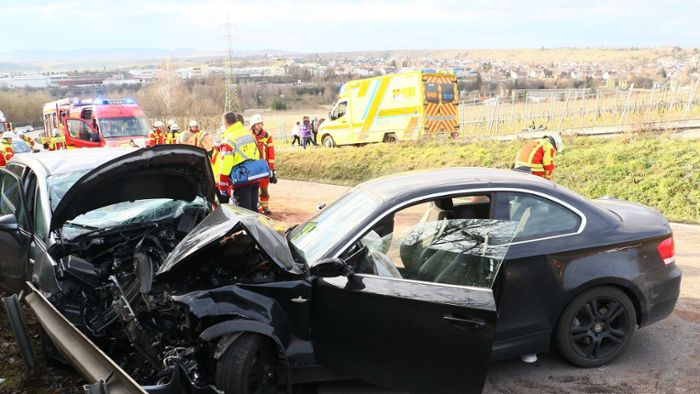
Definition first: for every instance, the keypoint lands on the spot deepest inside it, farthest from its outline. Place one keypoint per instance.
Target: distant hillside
(532, 55)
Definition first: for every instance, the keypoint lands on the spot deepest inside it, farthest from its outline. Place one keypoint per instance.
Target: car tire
(328, 141)
(248, 366)
(596, 327)
(390, 138)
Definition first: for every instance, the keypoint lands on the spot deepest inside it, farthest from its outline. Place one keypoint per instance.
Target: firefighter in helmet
(537, 155)
(267, 151)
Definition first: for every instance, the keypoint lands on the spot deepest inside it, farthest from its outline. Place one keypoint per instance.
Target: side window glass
(536, 217)
(15, 169)
(11, 197)
(429, 242)
(40, 225)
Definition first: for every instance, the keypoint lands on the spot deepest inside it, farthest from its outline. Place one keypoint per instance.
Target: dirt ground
(662, 358)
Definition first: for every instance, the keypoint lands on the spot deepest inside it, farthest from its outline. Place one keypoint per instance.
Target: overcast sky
(330, 25)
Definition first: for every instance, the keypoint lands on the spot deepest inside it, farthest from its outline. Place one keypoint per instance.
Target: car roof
(70, 160)
(427, 181)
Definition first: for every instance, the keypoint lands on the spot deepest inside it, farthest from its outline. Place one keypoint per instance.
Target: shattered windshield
(122, 213)
(313, 238)
(128, 212)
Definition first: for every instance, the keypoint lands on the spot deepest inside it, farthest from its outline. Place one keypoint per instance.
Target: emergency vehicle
(4, 124)
(92, 123)
(391, 108)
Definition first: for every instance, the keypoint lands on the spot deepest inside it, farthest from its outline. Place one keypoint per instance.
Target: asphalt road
(662, 358)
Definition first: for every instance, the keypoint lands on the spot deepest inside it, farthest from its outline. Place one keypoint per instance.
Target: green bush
(659, 172)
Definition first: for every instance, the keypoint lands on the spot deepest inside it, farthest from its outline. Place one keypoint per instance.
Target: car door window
(440, 241)
(536, 217)
(11, 197)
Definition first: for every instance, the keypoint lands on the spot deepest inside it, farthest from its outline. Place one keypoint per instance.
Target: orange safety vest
(266, 147)
(7, 153)
(538, 155)
(157, 137)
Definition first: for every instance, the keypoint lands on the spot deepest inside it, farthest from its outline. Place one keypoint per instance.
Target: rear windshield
(124, 127)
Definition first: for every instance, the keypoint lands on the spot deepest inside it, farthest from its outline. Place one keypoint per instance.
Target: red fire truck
(92, 123)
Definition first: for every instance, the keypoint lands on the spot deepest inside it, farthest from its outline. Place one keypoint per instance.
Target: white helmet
(158, 124)
(255, 119)
(55, 133)
(7, 134)
(193, 123)
(556, 141)
(171, 122)
(175, 127)
(20, 133)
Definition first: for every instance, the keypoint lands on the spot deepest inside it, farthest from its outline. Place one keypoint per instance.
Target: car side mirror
(331, 268)
(8, 223)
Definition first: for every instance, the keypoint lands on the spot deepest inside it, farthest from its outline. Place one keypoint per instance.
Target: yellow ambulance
(390, 108)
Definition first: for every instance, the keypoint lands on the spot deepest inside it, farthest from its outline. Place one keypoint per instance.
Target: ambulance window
(448, 92)
(431, 93)
(342, 108)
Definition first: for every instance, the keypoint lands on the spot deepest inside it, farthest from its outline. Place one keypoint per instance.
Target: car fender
(228, 331)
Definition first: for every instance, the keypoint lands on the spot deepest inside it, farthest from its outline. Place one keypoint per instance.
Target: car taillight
(667, 251)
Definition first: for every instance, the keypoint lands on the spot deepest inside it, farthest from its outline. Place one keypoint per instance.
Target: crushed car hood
(231, 221)
(179, 172)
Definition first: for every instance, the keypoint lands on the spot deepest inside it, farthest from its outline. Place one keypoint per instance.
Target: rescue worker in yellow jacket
(57, 142)
(6, 150)
(537, 156)
(173, 134)
(238, 145)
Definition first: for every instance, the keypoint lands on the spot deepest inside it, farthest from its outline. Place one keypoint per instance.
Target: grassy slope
(659, 172)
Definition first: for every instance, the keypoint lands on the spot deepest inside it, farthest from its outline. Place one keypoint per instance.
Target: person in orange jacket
(267, 151)
(537, 156)
(6, 147)
(157, 136)
(29, 140)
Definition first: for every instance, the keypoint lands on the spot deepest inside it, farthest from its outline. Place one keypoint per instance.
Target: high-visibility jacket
(266, 148)
(56, 143)
(237, 146)
(539, 156)
(172, 137)
(7, 153)
(29, 140)
(213, 160)
(157, 137)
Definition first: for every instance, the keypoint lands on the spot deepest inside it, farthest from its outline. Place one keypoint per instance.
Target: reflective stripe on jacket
(538, 155)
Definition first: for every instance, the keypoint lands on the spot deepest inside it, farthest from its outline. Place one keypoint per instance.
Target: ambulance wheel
(328, 141)
(390, 138)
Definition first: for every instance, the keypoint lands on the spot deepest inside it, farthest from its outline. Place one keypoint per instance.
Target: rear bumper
(660, 289)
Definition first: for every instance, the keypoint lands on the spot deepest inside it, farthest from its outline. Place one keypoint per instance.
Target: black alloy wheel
(596, 327)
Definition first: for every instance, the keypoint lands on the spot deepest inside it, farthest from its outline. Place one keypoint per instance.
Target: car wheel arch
(226, 332)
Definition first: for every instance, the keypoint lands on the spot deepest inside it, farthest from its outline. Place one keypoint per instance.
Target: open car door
(15, 233)
(425, 326)
(82, 134)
